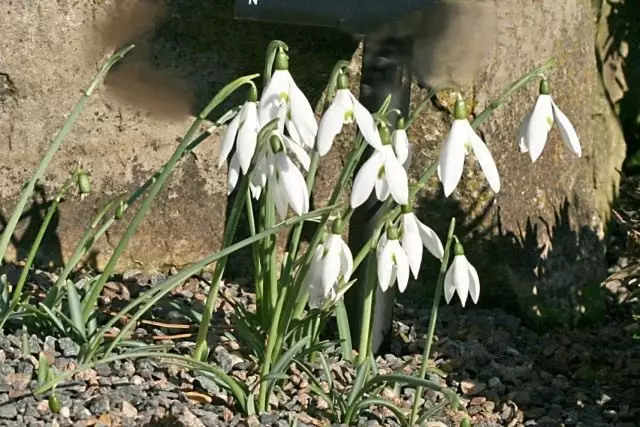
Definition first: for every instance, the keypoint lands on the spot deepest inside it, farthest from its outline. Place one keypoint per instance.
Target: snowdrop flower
(331, 265)
(393, 264)
(400, 143)
(283, 91)
(533, 133)
(382, 171)
(461, 140)
(462, 278)
(287, 183)
(344, 108)
(415, 235)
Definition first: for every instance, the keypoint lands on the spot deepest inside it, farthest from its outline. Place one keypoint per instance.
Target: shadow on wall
(546, 285)
(622, 49)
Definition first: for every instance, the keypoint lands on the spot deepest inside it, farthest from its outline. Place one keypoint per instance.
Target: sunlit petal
(332, 121)
(293, 184)
(385, 266)
(430, 240)
(300, 154)
(485, 159)
(365, 180)
(451, 160)
(522, 131)
(461, 277)
(411, 242)
(228, 139)
(400, 143)
(449, 285)
(346, 261)
(247, 136)
(233, 174)
(474, 283)
(567, 131)
(396, 177)
(271, 100)
(538, 126)
(302, 115)
(313, 280)
(402, 265)
(331, 263)
(366, 124)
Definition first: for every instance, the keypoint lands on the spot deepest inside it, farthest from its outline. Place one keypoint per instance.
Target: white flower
(282, 90)
(384, 172)
(393, 264)
(342, 111)
(289, 186)
(461, 140)
(400, 143)
(534, 130)
(415, 235)
(332, 264)
(462, 278)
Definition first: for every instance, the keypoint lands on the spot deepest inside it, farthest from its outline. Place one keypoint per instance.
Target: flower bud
(84, 183)
(282, 61)
(54, 403)
(385, 135)
(545, 89)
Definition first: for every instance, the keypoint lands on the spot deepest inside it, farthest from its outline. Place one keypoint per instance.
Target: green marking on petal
(550, 121)
(349, 117)
(381, 171)
(284, 97)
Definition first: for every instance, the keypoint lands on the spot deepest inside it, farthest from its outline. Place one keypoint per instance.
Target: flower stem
(269, 352)
(255, 253)
(433, 319)
(367, 310)
(270, 250)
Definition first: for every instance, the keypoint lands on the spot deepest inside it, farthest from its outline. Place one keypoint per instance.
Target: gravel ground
(507, 374)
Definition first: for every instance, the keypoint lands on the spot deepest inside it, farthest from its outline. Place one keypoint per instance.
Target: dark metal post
(386, 70)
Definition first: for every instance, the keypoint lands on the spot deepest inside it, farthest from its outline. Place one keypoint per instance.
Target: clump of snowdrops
(273, 144)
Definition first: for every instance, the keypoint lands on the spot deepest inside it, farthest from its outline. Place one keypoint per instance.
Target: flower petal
(430, 240)
(247, 136)
(385, 266)
(365, 180)
(297, 150)
(229, 136)
(331, 262)
(522, 130)
(366, 124)
(302, 114)
(271, 100)
(396, 177)
(449, 285)
(401, 263)
(569, 135)
(411, 242)
(382, 189)
(346, 261)
(461, 277)
(451, 160)
(484, 157)
(400, 143)
(293, 184)
(313, 280)
(538, 126)
(332, 121)
(474, 283)
(233, 174)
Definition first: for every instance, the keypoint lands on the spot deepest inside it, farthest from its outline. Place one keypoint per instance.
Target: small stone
(8, 411)
(128, 410)
(68, 348)
(253, 421)
(471, 387)
(100, 405)
(188, 419)
(65, 412)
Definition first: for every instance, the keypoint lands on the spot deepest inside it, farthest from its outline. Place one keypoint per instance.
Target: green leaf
(384, 403)
(344, 331)
(225, 92)
(75, 310)
(43, 369)
(358, 383)
(51, 316)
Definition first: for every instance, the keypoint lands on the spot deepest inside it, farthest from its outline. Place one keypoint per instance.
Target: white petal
(279, 196)
(486, 160)
(366, 124)
(293, 184)
(298, 152)
(331, 263)
(365, 179)
(430, 240)
(451, 160)
(411, 242)
(396, 177)
(313, 280)
(346, 261)
(229, 136)
(382, 189)
(332, 121)
(402, 265)
(400, 143)
(461, 277)
(569, 135)
(449, 285)
(522, 130)
(247, 136)
(385, 266)
(538, 126)
(302, 114)
(233, 173)
(474, 283)
(270, 100)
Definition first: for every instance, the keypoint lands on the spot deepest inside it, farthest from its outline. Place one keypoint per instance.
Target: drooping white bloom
(384, 172)
(331, 265)
(462, 278)
(400, 143)
(461, 140)
(393, 264)
(243, 130)
(535, 128)
(282, 90)
(289, 186)
(415, 236)
(344, 107)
